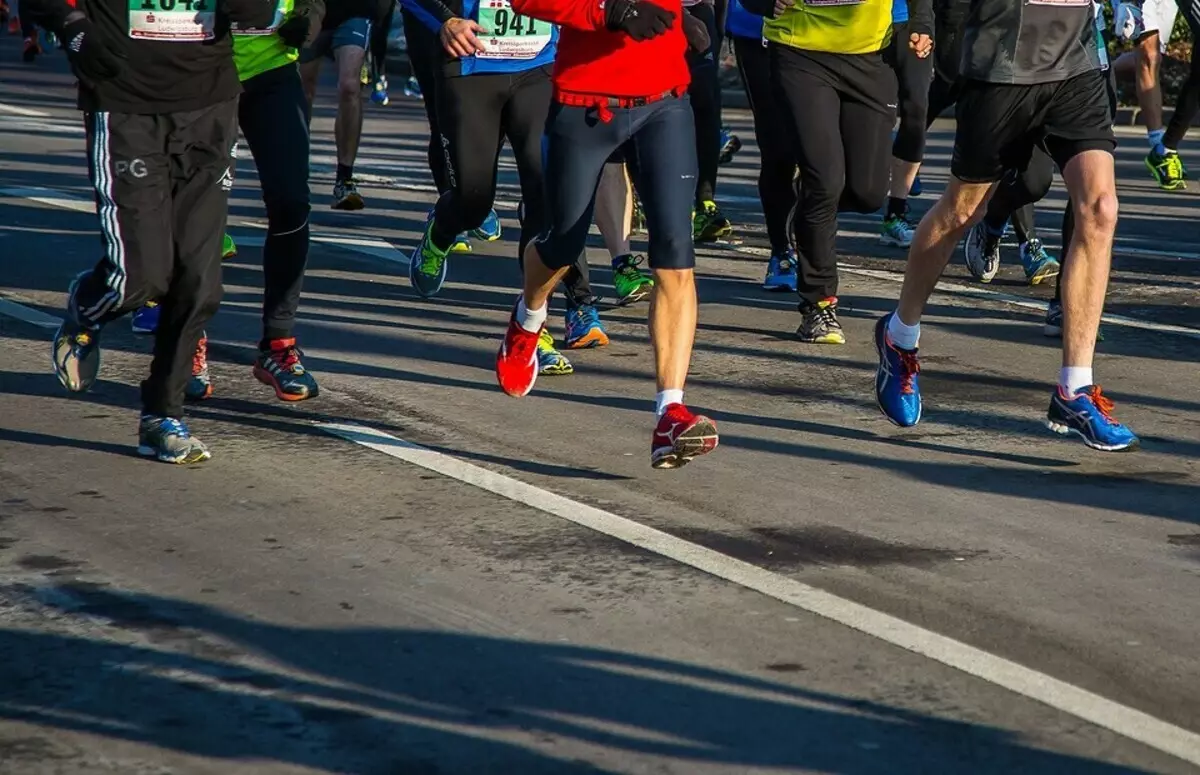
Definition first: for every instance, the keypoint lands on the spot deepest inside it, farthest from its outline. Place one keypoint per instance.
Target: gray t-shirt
(1029, 41)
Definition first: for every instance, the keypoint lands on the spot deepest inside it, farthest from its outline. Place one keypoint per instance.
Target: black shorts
(1000, 124)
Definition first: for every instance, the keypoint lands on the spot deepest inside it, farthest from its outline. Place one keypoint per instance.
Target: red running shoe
(516, 363)
(681, 436)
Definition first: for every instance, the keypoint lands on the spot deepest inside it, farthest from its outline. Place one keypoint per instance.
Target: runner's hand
(780, 7)
(459, 38)
(696, 32)
(921, 43)
(639, 19)
(92, 59)
(294, 31)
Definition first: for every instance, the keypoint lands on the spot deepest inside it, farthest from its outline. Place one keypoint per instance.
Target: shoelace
(200, 358)
(287, 358)
(633, 267)
(1173, 165)
(1035, 250)
(585, 317)
(910, 367)
(431, 262)
(1103, 403)
(827, 313)
(172, 427)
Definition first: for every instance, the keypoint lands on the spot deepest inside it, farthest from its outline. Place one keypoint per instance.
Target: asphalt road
(414, 574)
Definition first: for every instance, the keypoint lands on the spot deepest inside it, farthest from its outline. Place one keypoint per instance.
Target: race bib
(172, 20)
(270, 29)
(509, 35)
(826, 3)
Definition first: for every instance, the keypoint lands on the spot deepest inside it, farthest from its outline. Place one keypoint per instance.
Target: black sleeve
(760, 7)
(50, 15)
(437, 9)
(249, 14)
(920, 16)
(379, 35)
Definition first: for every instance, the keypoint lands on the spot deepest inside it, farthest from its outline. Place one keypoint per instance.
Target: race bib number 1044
(172, 20)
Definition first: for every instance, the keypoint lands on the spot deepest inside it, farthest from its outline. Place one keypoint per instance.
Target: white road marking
(1017, 678)
(17, 110)
(948, 286)
(14, 309)
(51, 197)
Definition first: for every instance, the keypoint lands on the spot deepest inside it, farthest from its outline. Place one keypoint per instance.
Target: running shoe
(916, 189)
(30, 50)
(1088, 414)
(364, 75)
(76, 351)
(279, 366)
(584, 329)
(427, 266)
(1053, 326)
(819, 323)
(708, 224)
(462, 244)
(550, 361)
(168, 439)
(897, 232)
(145, 319)
(346, 196)
(630, 282)
(199, 386)
(489, 230)
(1167, 169)
(228, 248)
(1039, 265)
(379, 93)
(897, 390)
(517, 361)
(730, 145)
(781, 272)
(681, 436)
(412, 88)
(981, 253)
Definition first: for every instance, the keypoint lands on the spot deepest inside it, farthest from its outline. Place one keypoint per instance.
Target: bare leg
(673, 313)
(1149, 95)
(903, 175)
(1091, 182)
(347, 129)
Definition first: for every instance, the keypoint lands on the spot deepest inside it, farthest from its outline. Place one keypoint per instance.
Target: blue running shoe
(489, 230)
(167, 439)
(1039, 265)
(550, 361)
(412, 88)
(916, 189)
(896, 388)
(781, 272)
(584, 329)
(379, 93)
(145, 319)
(1088, 414)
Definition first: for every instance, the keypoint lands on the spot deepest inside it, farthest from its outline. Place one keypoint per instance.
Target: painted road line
(51, 197)
(17, 110)
(14, 309)
(1090, 707)
(958, 289)
(370, 246)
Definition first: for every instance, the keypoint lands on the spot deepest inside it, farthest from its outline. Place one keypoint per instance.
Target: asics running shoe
(1088, 414)
(517, 360)
(168, 439)
(630, 282)
(145, 319)
(680, 436)
(708, 223)
(781, 272)
(584, 329)
(981, 253)
(428, 265)
(819, 323)
(550, 361)
(1039, 265)
(897, 390)
(346, 196)
(896, 232)
(280, 367)
(199, 386)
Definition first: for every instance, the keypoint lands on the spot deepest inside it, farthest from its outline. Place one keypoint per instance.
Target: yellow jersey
(835, 26)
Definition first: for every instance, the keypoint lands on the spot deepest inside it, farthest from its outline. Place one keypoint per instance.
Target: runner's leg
(913, 76)
(705, 96)
(349, 44)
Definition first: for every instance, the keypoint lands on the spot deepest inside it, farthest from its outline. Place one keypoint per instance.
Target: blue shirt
(502, 20)
(740, 23)
(899, 11)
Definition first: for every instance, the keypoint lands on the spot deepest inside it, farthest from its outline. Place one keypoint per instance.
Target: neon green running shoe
(228, 248)
(631, 283)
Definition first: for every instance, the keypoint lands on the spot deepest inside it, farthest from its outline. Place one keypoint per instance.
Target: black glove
(91, 58)
(638, 20)
(294, 31)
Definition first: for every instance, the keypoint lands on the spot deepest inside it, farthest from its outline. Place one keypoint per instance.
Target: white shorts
(1159, 16)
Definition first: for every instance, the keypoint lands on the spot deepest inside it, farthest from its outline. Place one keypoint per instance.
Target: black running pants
(422, 58)
(705, 94)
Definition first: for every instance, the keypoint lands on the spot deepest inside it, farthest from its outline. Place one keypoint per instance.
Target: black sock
(897, 208)
(345, 171)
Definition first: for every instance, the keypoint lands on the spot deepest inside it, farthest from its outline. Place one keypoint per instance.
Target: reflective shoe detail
(709, 224)
(489, 230)
(781, 272)
(1039, 265)
(428, 265)
(1088, 414)
(1167, 170)
(517, 360)
(981, 253)
(897, 390)
(280, 367)
(346, 196)
(199, 386)
(681, 436)
(896, 232)
(550, 361)
(584, 329)
(145, 319)
(168, 439)
(630, 282)
(228, 248)
(819, 323)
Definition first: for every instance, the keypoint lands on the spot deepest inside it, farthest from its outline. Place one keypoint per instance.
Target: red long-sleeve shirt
(594, 62)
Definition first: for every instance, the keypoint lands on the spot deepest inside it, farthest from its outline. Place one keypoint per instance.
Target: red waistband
(605, 104)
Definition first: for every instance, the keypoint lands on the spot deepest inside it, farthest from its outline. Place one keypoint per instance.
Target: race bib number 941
(172, 20)
(508, 34)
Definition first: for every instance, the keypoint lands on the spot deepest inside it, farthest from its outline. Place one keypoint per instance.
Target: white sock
(1072, 378)
(665, 398)
(903, 335)
(1155, 137)
(531, 320)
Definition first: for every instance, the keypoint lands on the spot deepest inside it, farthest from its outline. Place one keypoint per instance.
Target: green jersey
(255, 51)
